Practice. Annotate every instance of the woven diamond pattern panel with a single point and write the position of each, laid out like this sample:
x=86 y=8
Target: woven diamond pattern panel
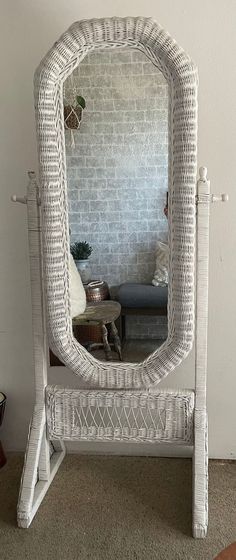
x=119 y=416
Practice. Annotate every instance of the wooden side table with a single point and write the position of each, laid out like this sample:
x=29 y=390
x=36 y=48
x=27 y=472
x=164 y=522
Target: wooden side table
x=102 y=313
x=95 y=291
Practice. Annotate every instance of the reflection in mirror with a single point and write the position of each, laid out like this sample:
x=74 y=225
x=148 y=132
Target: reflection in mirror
x=116 y=128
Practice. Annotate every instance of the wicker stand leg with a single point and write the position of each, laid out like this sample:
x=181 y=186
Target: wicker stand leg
x=200 y=476
x=200 y=456
x=40 y=464
x=34 y=484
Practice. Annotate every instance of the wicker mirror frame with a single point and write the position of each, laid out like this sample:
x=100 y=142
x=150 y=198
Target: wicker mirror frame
x=80 y=39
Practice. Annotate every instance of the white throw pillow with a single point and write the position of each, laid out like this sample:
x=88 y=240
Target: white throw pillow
x=162 y=258
x=77 y=291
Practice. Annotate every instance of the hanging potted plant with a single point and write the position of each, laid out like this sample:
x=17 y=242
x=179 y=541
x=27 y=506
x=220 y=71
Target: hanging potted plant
x=81 y=251
x=73 y=113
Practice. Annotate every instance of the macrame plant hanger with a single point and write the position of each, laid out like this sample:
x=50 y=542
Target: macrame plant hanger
x=72 y=113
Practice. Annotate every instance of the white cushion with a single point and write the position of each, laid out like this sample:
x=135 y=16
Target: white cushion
x=162 y=258
x=77 y=291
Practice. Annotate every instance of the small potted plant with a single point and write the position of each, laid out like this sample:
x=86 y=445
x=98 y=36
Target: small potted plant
x=73 y=113
x=81 y=251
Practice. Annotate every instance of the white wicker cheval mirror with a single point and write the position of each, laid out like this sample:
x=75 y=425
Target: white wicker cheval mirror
x=121 y=401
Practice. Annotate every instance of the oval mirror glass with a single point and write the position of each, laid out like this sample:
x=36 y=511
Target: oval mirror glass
x=116 y=136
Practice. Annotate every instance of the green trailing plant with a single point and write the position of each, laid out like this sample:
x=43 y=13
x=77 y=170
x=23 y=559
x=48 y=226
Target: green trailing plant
x=80 y=250
x=81 y=101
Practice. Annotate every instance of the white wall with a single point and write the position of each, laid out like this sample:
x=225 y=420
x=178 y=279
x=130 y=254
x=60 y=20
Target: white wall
x=207 y=31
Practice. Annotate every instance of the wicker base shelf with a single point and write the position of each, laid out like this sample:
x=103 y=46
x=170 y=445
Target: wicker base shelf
x=136 y=416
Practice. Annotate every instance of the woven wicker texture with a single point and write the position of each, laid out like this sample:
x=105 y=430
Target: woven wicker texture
x=114 y=416
x=166 y=416
x=139 y=414
x=81 y=38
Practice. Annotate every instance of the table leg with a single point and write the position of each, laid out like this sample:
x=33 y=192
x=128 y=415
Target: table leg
x=123 y=327
x=106 y=344
x=116 y=337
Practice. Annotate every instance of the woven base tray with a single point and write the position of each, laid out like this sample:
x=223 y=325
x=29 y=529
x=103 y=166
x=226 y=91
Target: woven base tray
x=165 y=416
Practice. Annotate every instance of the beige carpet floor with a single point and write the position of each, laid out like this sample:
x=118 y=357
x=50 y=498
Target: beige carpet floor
x=118 y=508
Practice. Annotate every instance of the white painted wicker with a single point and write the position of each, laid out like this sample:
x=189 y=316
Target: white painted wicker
x=156 y=417
x=82 y=37
x=121 y=404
